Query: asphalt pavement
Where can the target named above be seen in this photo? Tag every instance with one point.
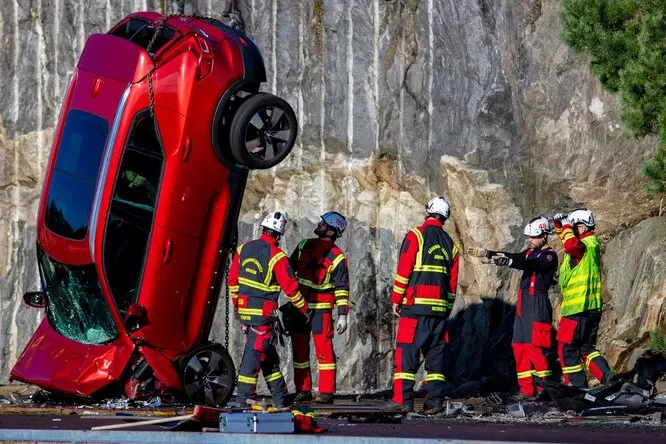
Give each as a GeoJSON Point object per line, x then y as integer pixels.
{"type": "Point", "coordinates": [70, 428]}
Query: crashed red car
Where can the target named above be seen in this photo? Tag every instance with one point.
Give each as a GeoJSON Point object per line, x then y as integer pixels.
{"type": "Point", "coordinates": [160, 124]}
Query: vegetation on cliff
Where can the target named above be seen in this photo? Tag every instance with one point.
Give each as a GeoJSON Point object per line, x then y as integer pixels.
{"type": "Point", "coordinates": [625, 41]}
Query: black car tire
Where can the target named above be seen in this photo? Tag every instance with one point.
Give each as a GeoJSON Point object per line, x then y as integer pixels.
{"type": "Point", "coordinates": [263, 131]}
{"type": "Point", "coordinates": [205, 385]}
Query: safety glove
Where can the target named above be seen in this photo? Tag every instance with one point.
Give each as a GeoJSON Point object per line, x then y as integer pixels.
{"type": "Point", "coordinates": [559, 220]}
{"type": "Point", "coordinates": [501, 261]}
{"type": "Point", "coordinates": [341, 326]}
{"type": "Point", "coordinates": [308, 315]}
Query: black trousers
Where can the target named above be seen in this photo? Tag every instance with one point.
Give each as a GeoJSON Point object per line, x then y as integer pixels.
{"type": "Point", "coordinates": [260, 355]}
{"type": "Point", "coordinates": [577, 339]}
{"type": "Point", "coordinates": [426, 334]}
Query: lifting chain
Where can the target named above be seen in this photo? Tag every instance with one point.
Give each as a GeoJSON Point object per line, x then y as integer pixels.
{"type": "Point", "coordinates": [159, 24]}
{"type": "Point", "coordinates": [227, 311]}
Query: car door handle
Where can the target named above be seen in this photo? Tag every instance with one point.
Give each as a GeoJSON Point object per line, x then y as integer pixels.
{"type": "Point", "coordinates": [168, 250]}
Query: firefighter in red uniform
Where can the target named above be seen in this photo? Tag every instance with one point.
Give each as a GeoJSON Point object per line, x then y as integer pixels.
{"type": "Point", "coordinates": [258, 271]}
{"type": "Point", "coordinates": [423, 295]}
{"type": "Point", "coordinates": [323, 276]}
{"type": "Point", "coordinates": [532, 326]}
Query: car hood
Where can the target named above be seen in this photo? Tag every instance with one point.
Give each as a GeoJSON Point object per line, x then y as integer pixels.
{"type": "Point", "coordinates": [58, 364]}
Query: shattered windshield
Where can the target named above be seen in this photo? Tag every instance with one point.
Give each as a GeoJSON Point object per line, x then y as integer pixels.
{"type": "Point", "coordinates": [76, 307]}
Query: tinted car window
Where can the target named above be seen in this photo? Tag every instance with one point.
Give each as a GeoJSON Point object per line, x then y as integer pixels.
{"type": "Point", "coordinates": [132, 209]}
{"type": "Point", "coordinates": [141, 33]}
{"type": "Point", "coordinates": [74, 175]}
{"type": "Point", "coordinates": [76, 307]}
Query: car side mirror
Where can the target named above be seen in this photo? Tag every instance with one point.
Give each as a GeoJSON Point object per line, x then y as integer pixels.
{"type": "Point", "coordinates": [134, 316]}
{"type": "Point", "coordinates": [35, 299]}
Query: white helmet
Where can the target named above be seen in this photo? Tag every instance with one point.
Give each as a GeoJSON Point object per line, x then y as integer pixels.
{"type": "Point", "coordinates": [439, 205]}
{"type": "Point", "coordinates": [582, 216]}
{"type": "Point", "coordinates": [275, 221]}
{"type": "Point", "coordinates": [335, 221]}
{"type": "Point", "coordinates": [537, 227]}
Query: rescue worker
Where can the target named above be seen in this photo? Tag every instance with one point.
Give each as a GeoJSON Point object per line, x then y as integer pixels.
{"type": "Point", "coordinates": [580, 282]}
{"type": "Point", "coordinates": [423, 294]}
{"type": "Point", "coordinates": [534, 314]}
{"type": "Point", "coordinates": [321, 268]}
{"type": "Point", "coordinates": [258, 271]}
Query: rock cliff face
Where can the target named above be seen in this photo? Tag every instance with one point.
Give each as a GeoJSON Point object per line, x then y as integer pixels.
{"type": "Point", "coordinates": [397, 101]}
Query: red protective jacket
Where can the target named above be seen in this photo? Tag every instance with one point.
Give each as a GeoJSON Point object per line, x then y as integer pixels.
{"type": "Point", "coordinates": [258, 271]}
{"type": "Point", "coordinates": [572, 243]}
{"type": "Point", "coordinates": [435, 247]}
{"type": "Point", "coordinates": [322, 272]}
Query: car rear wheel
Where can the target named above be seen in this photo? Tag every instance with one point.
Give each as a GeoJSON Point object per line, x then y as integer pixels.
{"type": "Point", "coordinates": [263, 131]}
{"type": "Point", "coordinates": [209, 375]}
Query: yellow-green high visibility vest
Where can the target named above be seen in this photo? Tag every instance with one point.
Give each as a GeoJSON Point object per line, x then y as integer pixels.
{"type": "Point", "coordinates": [581, 285]}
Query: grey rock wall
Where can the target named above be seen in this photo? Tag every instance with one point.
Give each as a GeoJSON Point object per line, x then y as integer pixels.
{"type": "Point", "coordinates": [398, 100]}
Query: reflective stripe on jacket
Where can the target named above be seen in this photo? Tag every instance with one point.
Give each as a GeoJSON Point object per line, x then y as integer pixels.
{"type": "Point", "coordinates": [322, 273]}
{"type": "Point", "coordinates": [258, 272]}
{"type": "Point", "coordinates": [427, 275]}
{"type": "Point", "coordinates": [581, 284]}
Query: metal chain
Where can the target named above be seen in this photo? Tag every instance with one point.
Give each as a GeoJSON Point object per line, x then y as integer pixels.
{"type": "Point", "coordinates": [151, 92]}
{"type": "Point", "coordinates": [159, 25]}
{"type": "Point", "coordinates": [227, 314]}
{"type": "Point", "coordinates": [151, 95]}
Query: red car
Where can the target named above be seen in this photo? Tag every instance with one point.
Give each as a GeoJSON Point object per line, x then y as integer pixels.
{"type": "Point", "coordinates": [160, 124]}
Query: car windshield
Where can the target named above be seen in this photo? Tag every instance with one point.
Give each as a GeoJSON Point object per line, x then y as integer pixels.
{"type": "Point", "coordinates": [76, 306]}
{"type": "Point", "coordinates": [74, 175]}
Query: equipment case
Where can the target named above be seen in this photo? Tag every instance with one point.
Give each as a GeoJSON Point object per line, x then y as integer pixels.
{"type": "Point", "coordinates": [257, 422]}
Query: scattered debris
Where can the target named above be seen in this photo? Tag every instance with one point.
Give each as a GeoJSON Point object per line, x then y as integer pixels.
{"type": "Point", "coordinates": [453, 408]}
{"type": "Point", "coordinates": [615, 410]}
{"type": "Point", "coordinates": [516, 410]}
{"type": "Point", "coordinates": [493, 398]}
{"type": "Point", "coordinates": [619, 393]}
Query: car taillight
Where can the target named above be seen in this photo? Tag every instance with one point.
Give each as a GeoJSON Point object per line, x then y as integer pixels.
{"type": "Point", "coordinates": [205, 57]}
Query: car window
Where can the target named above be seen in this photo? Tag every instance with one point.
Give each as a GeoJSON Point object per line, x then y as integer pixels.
{"type": "Point", "coordinates": [141, 33]}
{"type": "Point", "coordinates": [74, 176]}
{"type": "Point", "coordinates": [132, 210]}
{"type": "Point", "coordinates": [76, 307]}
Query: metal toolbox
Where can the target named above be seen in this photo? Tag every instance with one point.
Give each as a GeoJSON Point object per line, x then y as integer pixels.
{"type": "Point", "coordinates": [257, 422]}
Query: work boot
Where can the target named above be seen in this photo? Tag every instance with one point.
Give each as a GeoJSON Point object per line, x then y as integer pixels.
{"type": "Point", "coordinates": [542, 396]}
{"type": "Point", "coordinates": [300, 397]}
{"type": "Point", "coordinates": [433, 409]}
{"type": "Point", "coordinates": [610, 377]}
{"type": "Point", "coordinates": [325, 398]}
{"type": "Point", "coordinates": [393, 406]}
{"type": "Point", "coordinates": [282, 403]}
{"type": "Point", "coordinates": [522, 397]}
{"type": "Point", "coordinates": [283, 406]}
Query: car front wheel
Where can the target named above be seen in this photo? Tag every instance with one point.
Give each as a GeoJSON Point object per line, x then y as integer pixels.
{"type": "Point", "coordinates": [209, 375]}
{"type": "Point", "coordinates": [263, 131]}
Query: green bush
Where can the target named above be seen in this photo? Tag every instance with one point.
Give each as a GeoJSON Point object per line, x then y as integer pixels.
{"type": "Point", "coordinates": [657, 343]}
{"type": "Point", "coordinates": [625, 42]}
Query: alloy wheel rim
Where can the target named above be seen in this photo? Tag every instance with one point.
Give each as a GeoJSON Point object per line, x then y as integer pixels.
{"type": "Point", "coordinates": [204, 378]}
{"type": "Point", "coordinates": [268, 133]}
